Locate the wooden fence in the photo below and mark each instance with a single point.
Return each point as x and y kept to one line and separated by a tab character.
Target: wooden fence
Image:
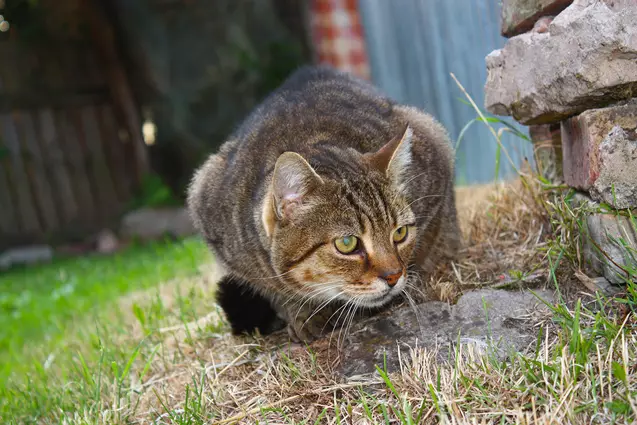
69	156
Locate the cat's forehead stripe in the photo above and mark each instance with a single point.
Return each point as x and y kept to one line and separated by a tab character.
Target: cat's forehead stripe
350	199
370	201
382	204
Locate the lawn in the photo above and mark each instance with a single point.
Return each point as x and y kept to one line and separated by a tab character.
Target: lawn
55	315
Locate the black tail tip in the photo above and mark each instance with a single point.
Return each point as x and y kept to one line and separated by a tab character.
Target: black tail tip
246	310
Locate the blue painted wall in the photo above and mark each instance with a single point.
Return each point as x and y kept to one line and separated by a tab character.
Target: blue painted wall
413	45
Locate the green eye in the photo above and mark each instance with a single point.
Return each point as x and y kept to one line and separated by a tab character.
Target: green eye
400	234
346	245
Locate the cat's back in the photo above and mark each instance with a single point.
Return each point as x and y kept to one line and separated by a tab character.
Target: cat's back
315	104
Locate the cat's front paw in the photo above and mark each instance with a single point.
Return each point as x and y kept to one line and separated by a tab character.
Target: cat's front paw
309	325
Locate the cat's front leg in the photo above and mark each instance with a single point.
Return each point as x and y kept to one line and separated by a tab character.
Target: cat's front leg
308	322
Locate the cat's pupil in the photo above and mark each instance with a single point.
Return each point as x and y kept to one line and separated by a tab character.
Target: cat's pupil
400	234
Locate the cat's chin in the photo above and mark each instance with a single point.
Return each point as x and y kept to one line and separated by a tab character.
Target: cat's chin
377	302
381	299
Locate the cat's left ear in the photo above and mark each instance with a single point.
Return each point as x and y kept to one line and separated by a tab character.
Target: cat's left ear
293	179
395	157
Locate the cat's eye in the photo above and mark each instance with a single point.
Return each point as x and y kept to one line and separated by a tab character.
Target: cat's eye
346	245
400	234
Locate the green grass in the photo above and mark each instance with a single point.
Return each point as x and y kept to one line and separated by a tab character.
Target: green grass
57	319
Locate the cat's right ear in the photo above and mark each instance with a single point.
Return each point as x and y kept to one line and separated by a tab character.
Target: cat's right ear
394	158
292	180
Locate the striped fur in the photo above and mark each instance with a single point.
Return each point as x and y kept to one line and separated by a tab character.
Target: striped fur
363	166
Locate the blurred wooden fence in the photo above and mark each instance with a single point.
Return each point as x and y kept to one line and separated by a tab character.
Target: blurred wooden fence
68	160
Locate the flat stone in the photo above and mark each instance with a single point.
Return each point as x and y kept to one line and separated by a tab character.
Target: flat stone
600	153
488	319
520	16
602	285
26	255
586	59
610	245
153	223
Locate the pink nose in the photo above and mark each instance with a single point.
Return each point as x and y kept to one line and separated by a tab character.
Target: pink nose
391	277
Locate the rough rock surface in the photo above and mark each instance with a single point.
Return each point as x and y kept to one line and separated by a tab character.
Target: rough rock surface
617	181
152	223
606	288
488	319
611	243
587	59
519	16
607	230
600	153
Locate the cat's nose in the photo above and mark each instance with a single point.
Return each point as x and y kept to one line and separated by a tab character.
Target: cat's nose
391	277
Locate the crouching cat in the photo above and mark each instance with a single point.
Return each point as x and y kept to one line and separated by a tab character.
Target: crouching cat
329	198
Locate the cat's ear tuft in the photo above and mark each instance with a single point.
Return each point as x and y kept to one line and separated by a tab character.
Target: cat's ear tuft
395	157
293	179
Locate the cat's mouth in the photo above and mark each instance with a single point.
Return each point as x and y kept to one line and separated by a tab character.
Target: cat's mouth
383	295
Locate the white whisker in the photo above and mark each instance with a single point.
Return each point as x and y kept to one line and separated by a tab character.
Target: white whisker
418	199
314	295
321	307
348	323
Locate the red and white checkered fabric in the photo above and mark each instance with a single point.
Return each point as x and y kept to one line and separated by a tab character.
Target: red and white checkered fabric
338	35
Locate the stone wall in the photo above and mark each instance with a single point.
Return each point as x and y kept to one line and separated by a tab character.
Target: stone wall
569	71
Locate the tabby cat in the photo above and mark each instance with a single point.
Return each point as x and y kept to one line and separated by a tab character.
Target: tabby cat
329	197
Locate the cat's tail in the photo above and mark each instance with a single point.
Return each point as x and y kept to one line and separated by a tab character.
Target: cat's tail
246	310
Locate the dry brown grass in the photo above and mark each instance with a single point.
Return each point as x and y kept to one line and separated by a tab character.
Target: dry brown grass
504	229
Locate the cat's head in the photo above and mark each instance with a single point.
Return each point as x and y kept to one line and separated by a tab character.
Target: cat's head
345	230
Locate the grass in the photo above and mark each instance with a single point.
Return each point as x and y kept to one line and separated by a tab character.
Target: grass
58	314
137	338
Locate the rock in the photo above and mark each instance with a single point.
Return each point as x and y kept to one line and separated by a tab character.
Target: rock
616	237
600	153
609	242
153	223
25	256
617	181
488	319
547	148
106	242
520	16
598	284
614	247
602	285
587	59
